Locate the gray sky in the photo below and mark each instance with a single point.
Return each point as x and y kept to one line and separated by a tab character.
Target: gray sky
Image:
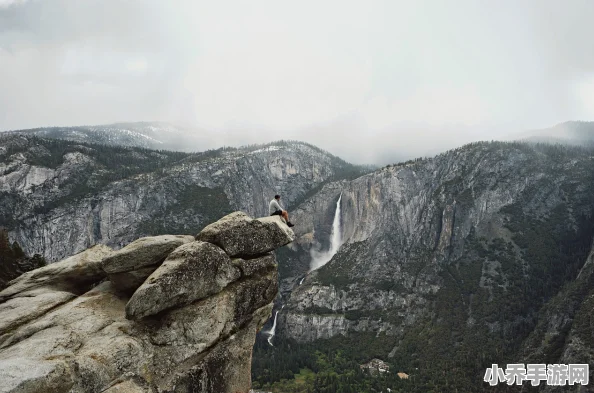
402	75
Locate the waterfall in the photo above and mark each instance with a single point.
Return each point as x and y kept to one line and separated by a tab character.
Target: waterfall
319	259
335	236
272	331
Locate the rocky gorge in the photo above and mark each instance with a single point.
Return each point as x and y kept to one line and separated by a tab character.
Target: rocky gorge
169	313
451	262
478	255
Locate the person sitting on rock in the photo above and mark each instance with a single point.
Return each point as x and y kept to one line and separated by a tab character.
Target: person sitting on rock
275	209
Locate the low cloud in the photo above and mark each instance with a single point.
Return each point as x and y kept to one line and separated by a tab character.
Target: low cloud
8	3
363	80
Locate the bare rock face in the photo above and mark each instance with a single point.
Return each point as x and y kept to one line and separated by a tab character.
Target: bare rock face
120	211
253	265
241	236
191	272
143	252
189	327
71	273
129	267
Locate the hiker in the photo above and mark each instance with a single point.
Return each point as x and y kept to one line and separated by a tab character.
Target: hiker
275	209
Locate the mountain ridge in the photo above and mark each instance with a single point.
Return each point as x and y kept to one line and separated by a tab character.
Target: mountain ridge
569	132
98	193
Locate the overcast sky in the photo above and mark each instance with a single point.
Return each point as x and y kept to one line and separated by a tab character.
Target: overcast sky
398	74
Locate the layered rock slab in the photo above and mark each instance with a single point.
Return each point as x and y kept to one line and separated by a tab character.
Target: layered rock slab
129	267
192	272
143	252
70	274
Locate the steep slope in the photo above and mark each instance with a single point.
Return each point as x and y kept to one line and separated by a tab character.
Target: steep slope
60	197
564	333
447	262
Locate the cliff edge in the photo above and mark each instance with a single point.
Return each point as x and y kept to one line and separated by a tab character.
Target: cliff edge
163	314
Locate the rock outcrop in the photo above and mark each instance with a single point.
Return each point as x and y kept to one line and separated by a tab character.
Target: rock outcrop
239	235
164	314
129	267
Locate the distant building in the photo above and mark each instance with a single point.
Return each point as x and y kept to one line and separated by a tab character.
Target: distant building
376	366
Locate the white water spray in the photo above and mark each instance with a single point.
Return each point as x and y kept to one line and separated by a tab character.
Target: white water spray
272	331
319	259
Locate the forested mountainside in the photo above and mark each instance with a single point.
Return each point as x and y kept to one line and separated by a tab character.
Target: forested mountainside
59	197
568	133
150	135
480	255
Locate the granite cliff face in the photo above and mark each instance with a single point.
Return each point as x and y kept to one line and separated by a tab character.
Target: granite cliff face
163	314
58	197
472	250
564	333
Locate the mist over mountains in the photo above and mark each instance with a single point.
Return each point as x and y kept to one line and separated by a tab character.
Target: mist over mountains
443	203
379	148
568	133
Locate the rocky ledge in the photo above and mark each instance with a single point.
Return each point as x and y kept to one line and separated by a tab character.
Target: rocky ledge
163	314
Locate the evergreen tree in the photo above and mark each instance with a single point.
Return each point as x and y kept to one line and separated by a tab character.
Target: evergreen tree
17	251
14	261
5	249
37	261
